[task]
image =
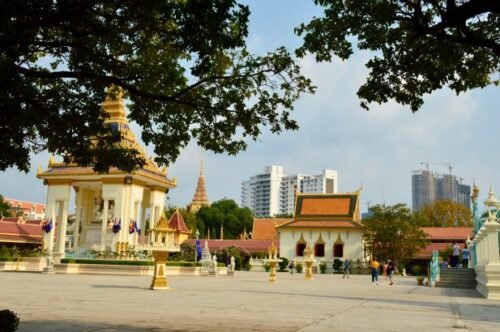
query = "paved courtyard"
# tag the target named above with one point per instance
(246, 302)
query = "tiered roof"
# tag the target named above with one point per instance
(18, 230)
(326, 211)
(200, 197)
(149, 174)
(264, 229)
(177, 223)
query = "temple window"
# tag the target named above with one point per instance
(338, 247)
(300, 249)
(319, 247)
(301, 245)
(338, 250)
(319, 250)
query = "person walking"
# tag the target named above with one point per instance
(456, 253)
(465, 257)
(374, 265)
(391, 268)
(386, 264)
(291, 267)
(347, 266)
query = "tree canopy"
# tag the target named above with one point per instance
(5, 208)
(226, 212)
(419, 46)
(445, 213)
(393, 232)
(183, 66)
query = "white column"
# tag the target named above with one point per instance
(152, 223)
(104, 225)
(48, 238)
(76, 232)
(61, 228)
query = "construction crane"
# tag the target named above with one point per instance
(426, 163)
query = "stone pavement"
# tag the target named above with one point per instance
(246, 302)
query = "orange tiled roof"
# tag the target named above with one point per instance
(427, 251)
(20, 233)
(177, 222)
(25, 206)
(264, 229)
(448, 233)
(328, 206)
(250, 245)
(324, 224)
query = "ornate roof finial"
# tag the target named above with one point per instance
(201, 167)
(475, 192)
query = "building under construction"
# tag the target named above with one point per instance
(428, 186)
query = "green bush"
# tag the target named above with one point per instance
(299, 268)
(337, 263)
(416, 270)
(248, 267)
(7, 259)
(105, 262)
(283, 265)
(267, 267)
(322, 268)
(186, 253)
(241, 256)
(4, 252)
(9, 322)
(135, 263)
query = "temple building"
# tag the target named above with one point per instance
(111, 208)
(200, 196)
(330, 224)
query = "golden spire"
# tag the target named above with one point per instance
(200, 196)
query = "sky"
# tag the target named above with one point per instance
(377, 149)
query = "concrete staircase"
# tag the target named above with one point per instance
(457, 278)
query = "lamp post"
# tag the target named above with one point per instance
(197, 234)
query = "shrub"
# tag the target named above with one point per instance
(248, 267)
(9, 322)
(416, 270)
(267, 267)
(299, 268)
(322, 268)
(337, 263)
(241, 256)
(185, 254)
(4, 251)
(283, 265)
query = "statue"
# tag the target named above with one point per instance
(214, 261)
(434, 265)
(233, 264)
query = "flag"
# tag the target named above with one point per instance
(117, 226)
(47, 226)
(137, 229)
(198, 249)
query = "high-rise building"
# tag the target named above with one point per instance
(428, 186)
(273, 192)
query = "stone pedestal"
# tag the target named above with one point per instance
(159, 279)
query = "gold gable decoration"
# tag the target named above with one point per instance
(301, 240)
(339, 240)
(320, 240)
(162, 224)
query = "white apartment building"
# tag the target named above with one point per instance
(274, 193)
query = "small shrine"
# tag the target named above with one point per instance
(112, 209)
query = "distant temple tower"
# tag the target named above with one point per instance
(200, 196)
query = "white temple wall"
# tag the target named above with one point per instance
(353, 243)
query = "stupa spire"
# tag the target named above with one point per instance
(200, 196)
